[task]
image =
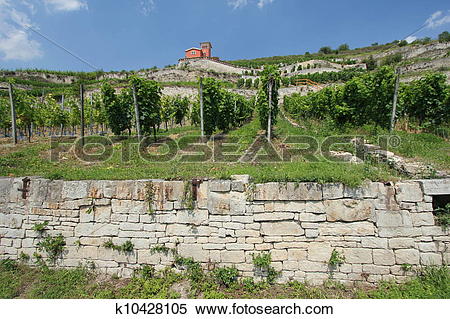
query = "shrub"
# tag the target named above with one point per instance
(226, 276)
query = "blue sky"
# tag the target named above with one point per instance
(135, 34)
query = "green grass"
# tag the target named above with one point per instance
(33, 160)
(22, 281)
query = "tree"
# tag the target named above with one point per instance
(148, 95)
(270, 73)
(326, 50)
(403, 43)
(343, 47)
(444, 37)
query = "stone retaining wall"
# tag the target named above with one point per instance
(377, 227)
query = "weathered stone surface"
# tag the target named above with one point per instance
(5, 186)
(11, 220)
(319, 252)
(358, 255)
(310, 217)
(333, 191)
(273, 217)
(281, 228)
(348, 210)
(95, 230)
(394, 219)
(374, 242)
(311, 233)
(423, 219)
(195, 217)
(436, 186)
(347, 229)
(195, 251)
(232, 256)
(430, 259)
(383, 257)
(406, 256)
(408, 192)
(268, 191)
(220, 185)
(395, 243)
(219, 203)
(74, 189)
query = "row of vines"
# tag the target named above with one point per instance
(112, 110)
(368, 99)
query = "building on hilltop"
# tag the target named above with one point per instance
(203, 53)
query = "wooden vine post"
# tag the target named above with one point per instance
(82, 113)
(394, 104)
(13, 113)
(136, 111)
(201, 108)
(269, 124)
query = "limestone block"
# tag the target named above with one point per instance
(316, 207)
(124, 190)
(95, 230)
(408, 192)
(311, 233)
(430, 259)
(196, 217)
(423, 219)
(268, 191)
(307, 191)
(38, 190)
(406, 256)
(319, 252)
(428, 247)
(376, 270)
(383, 257)
(202, 195)
(174, 190)
(219, 186)
(237, 203)
(281, 228)
(243, 219)
(347, 229)
(278, 255)
(348, 210)
(237, 186)
(11, 220)
(74, 189)
(233, 246)
(102, 214)
(333, 191)
(5, 187)
(219, 203)
(434, 231)
(395, 243)
(374, 242)
(394, 219)
(310, 217)
(312, 266)
(367, 190)
(247, 233)
(195, 251)
(232, 256)
(358, 255)
(273, 217)
(436, 187)
(390, 232)
(296, 254)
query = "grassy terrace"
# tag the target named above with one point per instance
(22, 281)
(34, 160)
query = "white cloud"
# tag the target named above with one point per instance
(65, 5)
(147, 6)
(410, 39)
(262, 3)
(236, 4)
(15, 41)
(438, 19)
